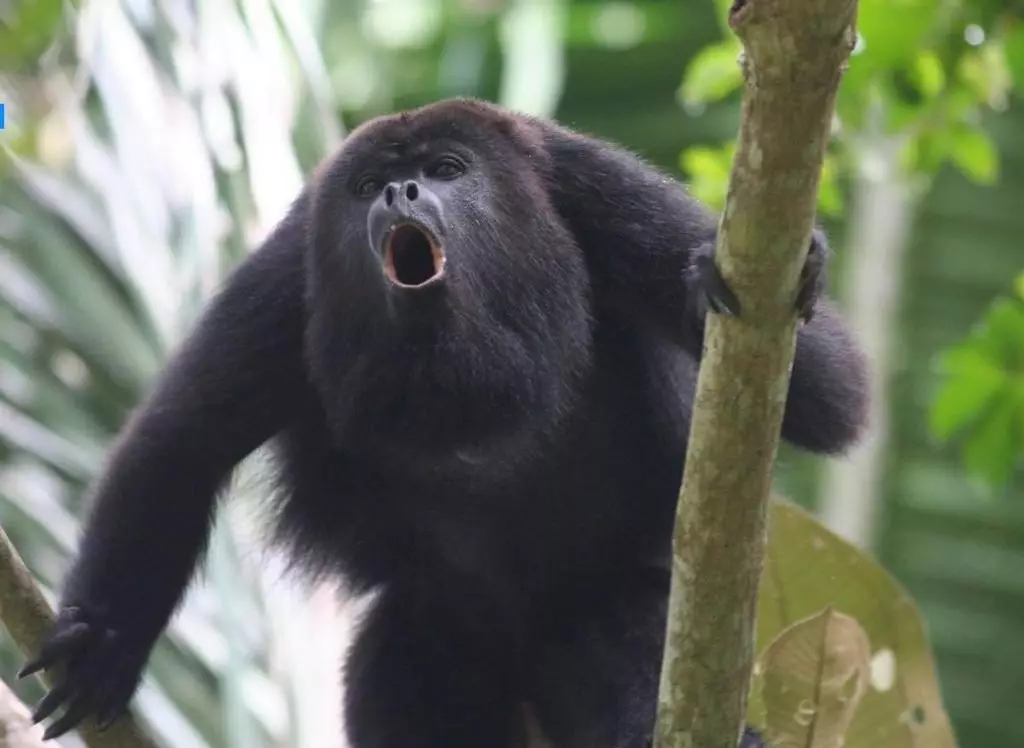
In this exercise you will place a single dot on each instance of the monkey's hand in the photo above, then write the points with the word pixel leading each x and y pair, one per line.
pixel 752 739
pixel 101 667
pixel 713 293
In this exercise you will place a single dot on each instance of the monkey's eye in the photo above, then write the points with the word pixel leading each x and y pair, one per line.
pixel 368 186
pixel 446 167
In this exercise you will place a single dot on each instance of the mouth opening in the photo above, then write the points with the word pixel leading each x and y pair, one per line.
pixel 411 257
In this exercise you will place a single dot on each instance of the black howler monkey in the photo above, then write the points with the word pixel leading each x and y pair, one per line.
pixel 473 341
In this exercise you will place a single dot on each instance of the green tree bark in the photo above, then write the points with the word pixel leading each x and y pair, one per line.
pixel 794 55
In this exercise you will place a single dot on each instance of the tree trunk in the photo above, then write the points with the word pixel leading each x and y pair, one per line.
pixel 794 54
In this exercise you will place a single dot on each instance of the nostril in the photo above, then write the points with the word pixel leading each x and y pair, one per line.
pixel 411 190
pixel 389 195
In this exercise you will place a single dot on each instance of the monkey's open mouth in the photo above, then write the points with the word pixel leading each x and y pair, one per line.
pixel 411 256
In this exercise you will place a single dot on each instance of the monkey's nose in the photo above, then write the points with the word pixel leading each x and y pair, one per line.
pixel 408 191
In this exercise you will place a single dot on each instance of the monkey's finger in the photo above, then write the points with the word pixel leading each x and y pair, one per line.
pixel 112 699
pixel 109 715
pixel 75 713
pixel 65 643
pixel 805 300
pixel 720 298
pixel 34 666
pixel 711 303
pixel 49 703
pixel 811 278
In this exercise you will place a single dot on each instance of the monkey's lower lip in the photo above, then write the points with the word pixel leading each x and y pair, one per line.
pixel 413 258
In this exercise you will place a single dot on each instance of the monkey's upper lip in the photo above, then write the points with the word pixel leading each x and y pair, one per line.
pixel 413 256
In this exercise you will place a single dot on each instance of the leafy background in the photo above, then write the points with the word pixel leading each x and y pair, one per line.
pixel 150 143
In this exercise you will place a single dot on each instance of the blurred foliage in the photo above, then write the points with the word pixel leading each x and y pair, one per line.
pixel 982 395
pixel 111 239
pixel 921 69
pixel 925 71
pixel 146 158
pixel 27 29
pixel 957 542
pixel 709 166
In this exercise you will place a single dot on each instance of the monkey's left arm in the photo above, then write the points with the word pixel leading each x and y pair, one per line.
pixel 650 247
pixel 230 386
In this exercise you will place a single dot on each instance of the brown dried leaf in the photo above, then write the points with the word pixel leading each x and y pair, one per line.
pixel 812 677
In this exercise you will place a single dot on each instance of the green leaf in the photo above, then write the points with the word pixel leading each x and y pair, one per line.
pixel 708 169
pixel 713 74
pixel 1001 333
pixel 926 153
pixel 985 73
pixel 1013 48
pixel 1018 285
pixel 983 393
pixel 975 154
pixel 973 381
pixel 1017 393
pixel 928 74
pixel 830 197
pixel 992 449
pixel 893 30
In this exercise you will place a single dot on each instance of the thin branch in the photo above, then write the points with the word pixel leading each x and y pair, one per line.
pixel 794 54
pixel 16 728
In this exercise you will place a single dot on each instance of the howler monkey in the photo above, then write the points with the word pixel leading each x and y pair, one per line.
pixel 473 341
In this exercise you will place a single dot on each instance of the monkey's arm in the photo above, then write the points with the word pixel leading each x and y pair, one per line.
pixel 228 389
pixel 650 248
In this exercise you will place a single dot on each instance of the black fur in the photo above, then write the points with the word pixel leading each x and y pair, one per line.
pixel 499 452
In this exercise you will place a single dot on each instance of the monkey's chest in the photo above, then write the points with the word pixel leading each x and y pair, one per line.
pixel 526 516
pixel 377 523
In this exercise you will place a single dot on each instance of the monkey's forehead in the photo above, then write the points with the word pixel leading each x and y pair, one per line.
pixel 479 125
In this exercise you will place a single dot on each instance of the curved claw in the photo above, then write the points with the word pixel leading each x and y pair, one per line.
pixel 812 277
pixel 76 711
pixel 53 699
pixel 100 670
pixel 106 717
pixel 65 643
pixel 717 294
pixel 805 303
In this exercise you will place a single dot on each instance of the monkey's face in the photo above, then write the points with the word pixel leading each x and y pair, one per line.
pixel 415 196
pixel 439 209
pixel 442 280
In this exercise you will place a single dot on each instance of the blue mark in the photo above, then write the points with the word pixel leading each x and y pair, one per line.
pixel 1 116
